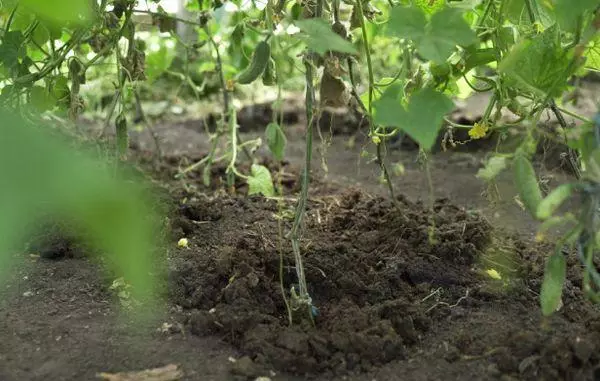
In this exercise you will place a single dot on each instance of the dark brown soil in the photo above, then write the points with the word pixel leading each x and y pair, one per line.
pixel 381 288
pixel 391 304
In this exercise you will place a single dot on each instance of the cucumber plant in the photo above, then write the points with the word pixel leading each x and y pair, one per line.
pixel 523 53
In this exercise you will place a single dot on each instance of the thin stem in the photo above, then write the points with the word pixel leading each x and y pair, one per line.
pixel 380 158
pixel 530 11
pixel 226 103
pixel 304 298
pixel 10 18
pixel 486 11
pixel 166 15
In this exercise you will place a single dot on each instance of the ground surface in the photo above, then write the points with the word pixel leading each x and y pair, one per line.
pixel 392 306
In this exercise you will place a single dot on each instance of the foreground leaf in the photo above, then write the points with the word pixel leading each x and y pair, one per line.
pixel 61 11
pixel 568 11
pixel 43 176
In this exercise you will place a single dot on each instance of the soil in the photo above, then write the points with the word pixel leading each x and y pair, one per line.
pixel 391 304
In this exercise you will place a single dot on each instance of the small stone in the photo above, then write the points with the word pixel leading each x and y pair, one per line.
pixel 27 294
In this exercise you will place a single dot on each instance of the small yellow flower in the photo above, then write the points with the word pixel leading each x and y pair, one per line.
pixel 493 274
pixel 479 130
pixel 230 85
pixel 183 243
pixel 376 139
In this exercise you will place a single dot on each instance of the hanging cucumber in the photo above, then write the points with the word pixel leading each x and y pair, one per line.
pixel 260 60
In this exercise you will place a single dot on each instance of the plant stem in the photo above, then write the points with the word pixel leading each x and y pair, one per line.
pixel 380 158
pixel 226 103
pixel 304 298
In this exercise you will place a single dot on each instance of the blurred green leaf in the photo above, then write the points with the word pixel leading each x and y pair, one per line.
pixel 40 99
pixel 158 61
pixel 437 39
pixel 61 11
pixel 430 6
pixel 568 11
pixel 276 140
pixel 12 49
pixel 493 167
pixel 321 38
pixel 40 35
pixel 407 22
pixel 43 175
pixel 445 31
pixel 260 181
pixel 552 286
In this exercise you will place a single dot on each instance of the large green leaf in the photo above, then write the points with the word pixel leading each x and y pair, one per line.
pixel 538 65
pixel 12 49
pixel 43 176
pixel 61 11
pixel 552 286
pixel 592 54
pixel 321 39
pixel 445 31
pixel 568 11
pixel 518 14
pixel 435 39
pixel 423 117
pixel 407 22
